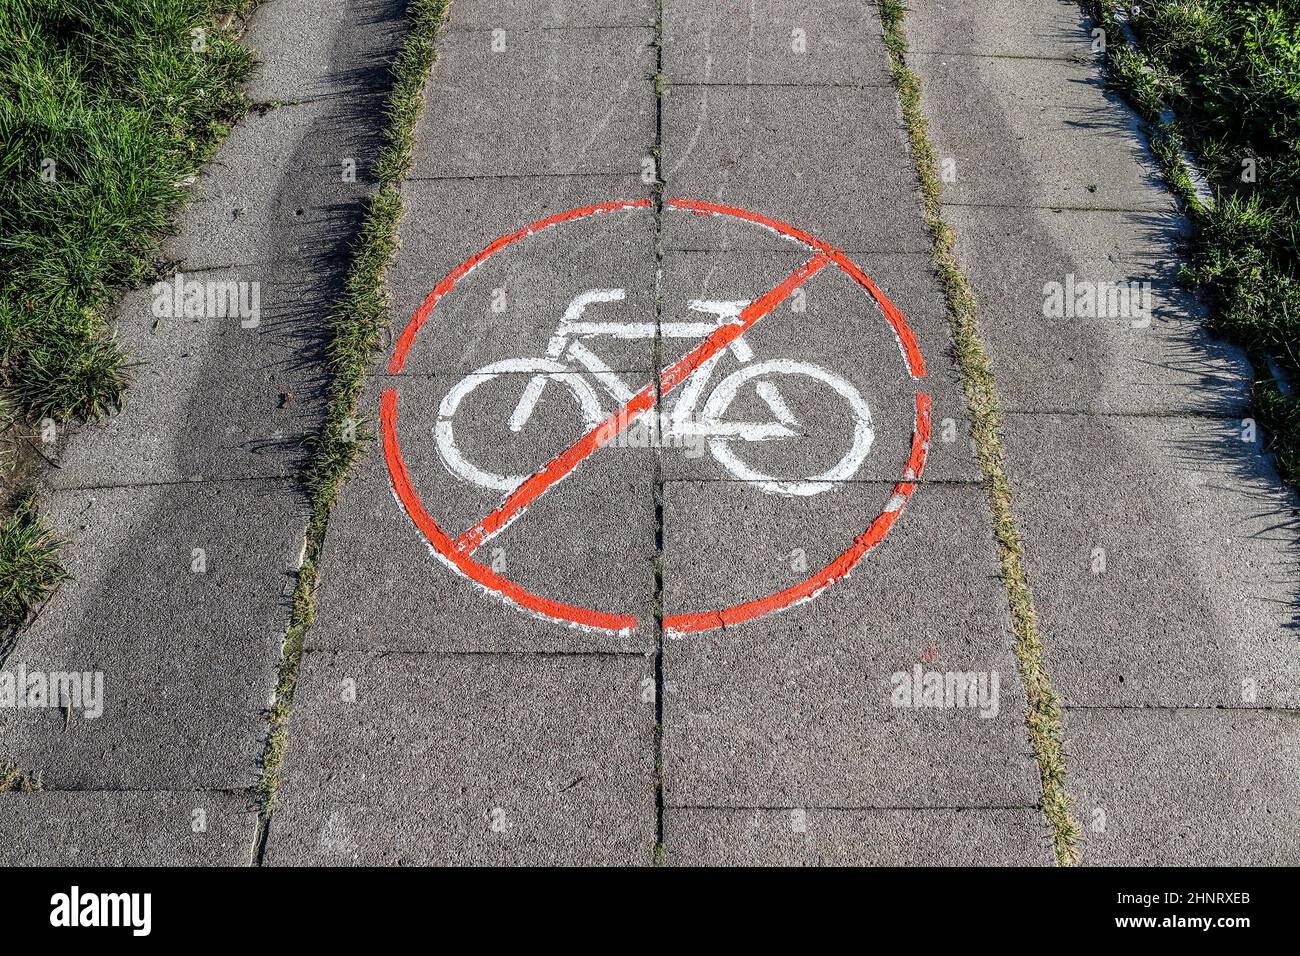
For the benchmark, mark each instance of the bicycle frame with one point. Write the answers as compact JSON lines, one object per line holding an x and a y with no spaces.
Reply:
{"x":567,"y":342}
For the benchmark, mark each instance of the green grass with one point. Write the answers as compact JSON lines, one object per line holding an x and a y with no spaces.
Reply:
{"x":1229,"y":70}
{"x":29,"y":564}
{"x":105,"y":109}
{"x":359,"y":321}
{"x":15,"y":780}
{"x":1044,"y":708}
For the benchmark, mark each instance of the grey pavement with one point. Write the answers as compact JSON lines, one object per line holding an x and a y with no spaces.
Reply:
{"x":1183,"y":786}
{"x":1164,"y":363}
{"x":479,"y":758}
{"x":795,"y":709}
{"x":183,"y":511}
{"x":127,"y":828}
{"x":183,"y":614}
{"x":545,"y":695}
{"x":797,"y":836}
{"x":802,"y":147}
{"x":710,"y":43}
{"x":441,"y":759}
{"x":572,"y":121}
{"x":1159,"y":541}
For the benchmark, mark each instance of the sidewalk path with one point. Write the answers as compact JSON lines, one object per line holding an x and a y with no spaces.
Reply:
{"x":1161,"y":546}
{"x":433,"y":724}
{"x":183,"y":510}
{"x":661,"y":657}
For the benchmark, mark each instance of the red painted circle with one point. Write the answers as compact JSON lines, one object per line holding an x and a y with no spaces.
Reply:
{"x":458,"y":553}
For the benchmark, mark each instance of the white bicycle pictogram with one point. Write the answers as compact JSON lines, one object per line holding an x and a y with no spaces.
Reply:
{"x":570,"y":362}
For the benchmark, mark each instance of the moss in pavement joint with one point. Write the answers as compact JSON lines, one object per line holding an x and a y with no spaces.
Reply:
{"x":360,"y":319}
{"x":1044,"y":708}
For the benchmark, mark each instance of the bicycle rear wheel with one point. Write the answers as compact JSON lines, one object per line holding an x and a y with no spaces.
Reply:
{"x":588,"y":407}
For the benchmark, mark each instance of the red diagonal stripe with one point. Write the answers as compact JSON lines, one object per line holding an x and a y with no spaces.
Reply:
{"x":562,"y":464}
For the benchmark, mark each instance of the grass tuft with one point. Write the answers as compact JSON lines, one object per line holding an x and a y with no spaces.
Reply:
{"x":29,"y":564}
{"x":359,"y":321}
{"x":1044,"y":707}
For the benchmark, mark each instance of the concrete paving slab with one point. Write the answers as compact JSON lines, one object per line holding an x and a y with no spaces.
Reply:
{"x":1024,"y":263}
{"x":589,"y":541}
{"x":250,"y":426}
{"x":526,"y":14}
{"x":795,"y":709}
{"x":801,"y":42}
{"x":1046,"y":29}
{"x":228,"y":340}
{"x":468,"y":759}
{"x":209,"y":398}
{"x":182,"y":609}
{"x":1159,"y":547}
{"x":1185,"y":787}
{"x":1194,"y":539}
{"x":550,"y":101}
{"x":293,"y":40}
{"x":510,"y":305}
{"x":127,"y":828}
{"x":264,"y":316}
{"x":836,"y":326}
{"x":279,"y":191}
{"x":1024,"y":132}
{"x":810,"y":836}
{"x":795,"y":154}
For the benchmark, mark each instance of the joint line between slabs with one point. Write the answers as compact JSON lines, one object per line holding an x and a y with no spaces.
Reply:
{"x":1077,"y":59}
{"x":659,"y":186}
{"x":688,"y":84}
{"x":462,"y":177}
{"x":1289,"y":709}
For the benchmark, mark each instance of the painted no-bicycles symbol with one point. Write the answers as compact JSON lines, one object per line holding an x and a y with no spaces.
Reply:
{"x":684,"y":403}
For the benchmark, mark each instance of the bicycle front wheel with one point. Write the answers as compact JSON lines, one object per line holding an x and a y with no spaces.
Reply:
{"x":723,"y":445}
